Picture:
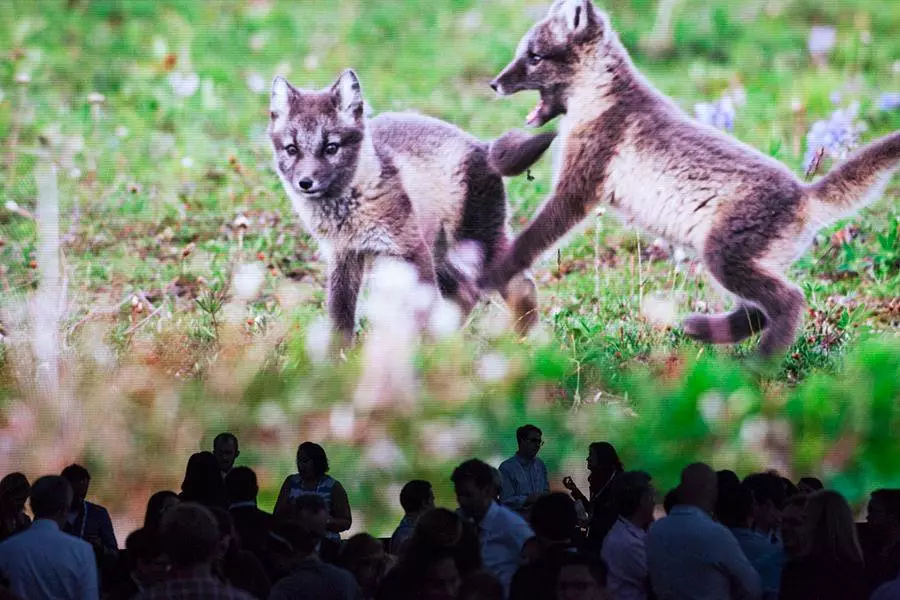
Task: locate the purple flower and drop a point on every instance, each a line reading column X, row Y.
column 718, row 114
column 838, row 135
column 889, row 101
column 821, row 39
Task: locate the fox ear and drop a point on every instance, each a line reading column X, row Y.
column 279, row 103
column 579, row 15
column 348, row 95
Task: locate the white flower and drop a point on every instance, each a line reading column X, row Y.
column 821, row 39
column 248, row 278
column 256, row 83
column 318, row 339
column 184, row 84
column 187, row 162
column 492, row 367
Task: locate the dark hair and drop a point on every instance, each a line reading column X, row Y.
column 594, row 564
column 524, row 430
column 189, row 534
column 670, row 500
column 627, row 491
column 316, row 454
column 766, row 487
column 203, row 480
column 153, row 515
column 727, row 478
column 813, row 483
column 553, row 517
column 474, row 470
column 890, row 498
column 75, row 473
column 357, row 548
column 226, row 436
column 51, row 496
column 142, row 544
column 415, row 495
column 481, row 585
column 734, row 506
column 300, row 537
column 788, row 486
column 224, row 522
column 13, row 484
column 606, row 454
column 241, row 484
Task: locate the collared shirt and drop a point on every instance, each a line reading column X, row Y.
column 520, row 478
column 767, row 557
column 691, row 557
column 502, row 533
column 193, row 588
column 401, row 534
column 315, row 579
column 43, row 562
column 625, row 555
column 91, row 522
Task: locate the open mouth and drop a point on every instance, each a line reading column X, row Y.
column 545, row 111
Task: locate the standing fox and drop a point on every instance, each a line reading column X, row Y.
column 624, row 143
column 399, row 185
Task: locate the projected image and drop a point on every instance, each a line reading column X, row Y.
column 449, row 299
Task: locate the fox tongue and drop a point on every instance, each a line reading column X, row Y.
column 535, row 113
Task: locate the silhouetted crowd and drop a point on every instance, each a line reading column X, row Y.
column 510, row 538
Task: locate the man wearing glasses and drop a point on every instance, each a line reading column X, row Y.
column 524, row 476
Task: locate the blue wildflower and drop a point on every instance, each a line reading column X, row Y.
column 889, row 101
column 718, row 114
column 837, row 135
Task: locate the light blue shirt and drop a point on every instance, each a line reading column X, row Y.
column 502, row 533
column 691, row 557
column 765, row 556
column 520, row 478
column 42, row 562
column 888, row 591
column 625, row 555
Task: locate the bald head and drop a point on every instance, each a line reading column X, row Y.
column 698, row 487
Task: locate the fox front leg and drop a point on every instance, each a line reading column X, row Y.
column 344, row 282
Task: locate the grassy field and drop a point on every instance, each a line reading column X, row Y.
column 155, row 112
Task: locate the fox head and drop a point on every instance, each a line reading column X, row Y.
column 317, row 136
column 553, row 54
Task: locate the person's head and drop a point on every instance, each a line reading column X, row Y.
column 312, row 462
column 474, row 484
column 438, row 527
column 581, row 577
column 670, row 500
column 302, row 541
column 768, row 495
column 416, row 497
column 312, row 512
column 884, row 515
column 79, row 478
column 532, row 550
column 203, row 480
column 225, row 449
column 698, row 487
column 726, row 482
column 829, row 528
column 189, row 535
column 530, row 440
column 364, row 557
column 603, row 459
column 553, row 518
column 436, row 574
column 793, row 516
column 808, row 485
column 14, row 491
column 634, row 497
column 734, row 507
column 225, row 525
column 51, row 497
column 481, row 585
column 158, row 505
column 241, row 485
column 149, row 564
column 788, row 487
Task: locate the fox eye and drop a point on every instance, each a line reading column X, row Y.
column 331, row 149
column 534, row 59
column 291, row 150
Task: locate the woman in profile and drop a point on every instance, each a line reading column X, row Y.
column 604, row 466
column 312, row 478
column 203, row 481
column 14, row 492
column 830, row 563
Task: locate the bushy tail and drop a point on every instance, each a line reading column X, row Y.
column 858, row 180
column 513, row 152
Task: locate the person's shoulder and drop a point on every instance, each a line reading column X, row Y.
column 98, row 509
column 506, row 464
column 887, row 591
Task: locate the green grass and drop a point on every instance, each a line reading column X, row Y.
column 148, row 173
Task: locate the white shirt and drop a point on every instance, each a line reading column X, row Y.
column 625, row 555
column 502, row 533
column 42, row 562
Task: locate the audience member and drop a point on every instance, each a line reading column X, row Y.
column 624, row 549
column 830, row 564
column 883, row 517
column 502, row 532
column 203, row 481
column 553, row 519
column 225, row 449
column 42, row 562
column 604, row 466
column 312, row 512
column 252, row 525
column 524, row 475
column 144, row 565
column 311, row 579
column 157, row 506
column 581, row 577
column 808, row 485
column 311, row 478
column 416, row 498
column 89, row 521
column 480, row 585
column 14, row 491
column 189, row 536
column 364, row 557
column 434, row 575
column 792, row 517
column 670, row 500
column 726, row 482
column 232, row 564
column 689, row 555
column 768, row 494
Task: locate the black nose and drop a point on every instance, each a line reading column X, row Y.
column 494, row 85
column 305, row 184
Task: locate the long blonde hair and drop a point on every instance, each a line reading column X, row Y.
column 829, row 529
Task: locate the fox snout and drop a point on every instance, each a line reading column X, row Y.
column 510, row 79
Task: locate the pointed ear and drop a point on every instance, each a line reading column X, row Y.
column 279, row 102
column 348, row 95
column 579, row 15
